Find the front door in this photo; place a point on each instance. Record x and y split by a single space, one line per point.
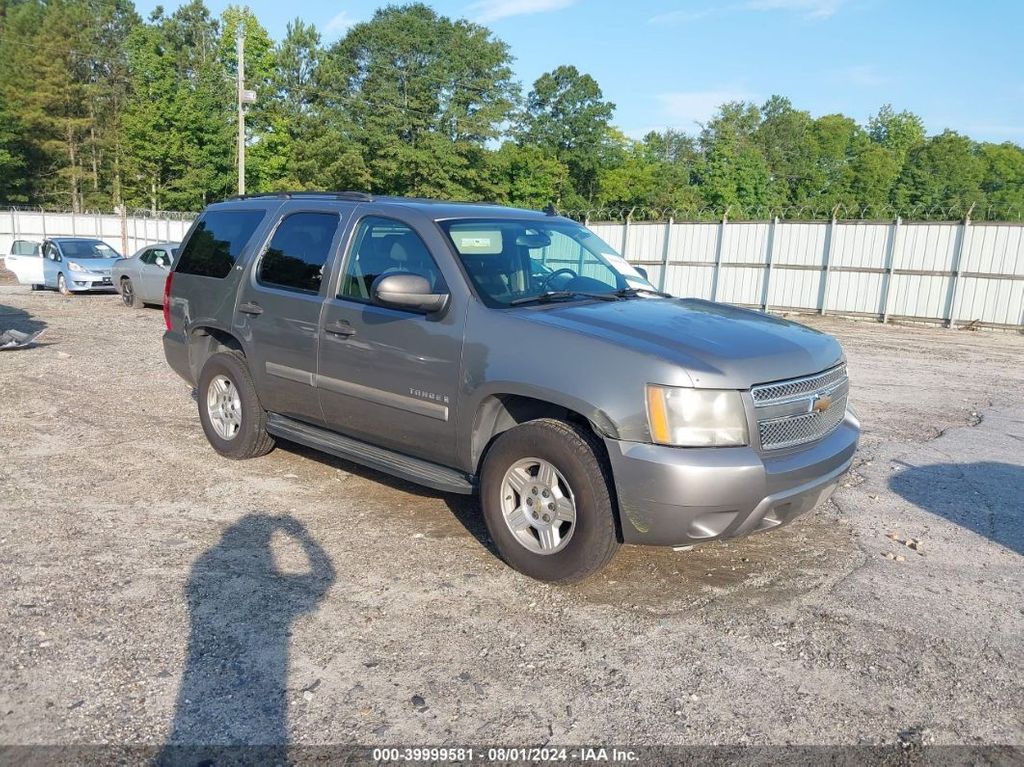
390 376
153 268
278 310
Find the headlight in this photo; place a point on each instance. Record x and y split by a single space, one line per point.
76 267
696 417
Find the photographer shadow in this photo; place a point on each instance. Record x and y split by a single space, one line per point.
242 605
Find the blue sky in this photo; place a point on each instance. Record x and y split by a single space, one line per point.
669 63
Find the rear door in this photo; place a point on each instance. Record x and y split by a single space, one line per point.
385 375
26 262
280 301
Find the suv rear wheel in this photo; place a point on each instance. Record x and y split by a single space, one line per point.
547 501
233 419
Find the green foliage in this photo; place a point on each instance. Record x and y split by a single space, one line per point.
566 115
100 108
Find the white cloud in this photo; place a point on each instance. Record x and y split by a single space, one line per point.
687 108
339 23
810 9
485 11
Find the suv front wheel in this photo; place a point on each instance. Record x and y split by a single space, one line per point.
546 495
233 419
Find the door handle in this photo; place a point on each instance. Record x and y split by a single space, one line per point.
250 307
340 328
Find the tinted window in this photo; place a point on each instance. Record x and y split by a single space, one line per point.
298 251
147 257
386 246
217 241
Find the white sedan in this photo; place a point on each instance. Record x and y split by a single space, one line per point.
140 279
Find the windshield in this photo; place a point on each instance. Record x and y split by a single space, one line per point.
87 249
511 261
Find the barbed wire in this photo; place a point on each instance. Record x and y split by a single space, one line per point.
647 214
810 212
162 215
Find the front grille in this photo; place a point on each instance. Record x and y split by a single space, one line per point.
783 390
785 414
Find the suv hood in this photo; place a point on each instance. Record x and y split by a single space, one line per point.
717 344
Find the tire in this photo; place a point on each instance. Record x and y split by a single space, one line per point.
36 287
128 295
247 435
582 477
62 285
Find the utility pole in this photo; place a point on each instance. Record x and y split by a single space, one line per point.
240 43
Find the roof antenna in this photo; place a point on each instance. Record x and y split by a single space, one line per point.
551 210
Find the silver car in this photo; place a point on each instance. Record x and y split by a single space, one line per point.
140 279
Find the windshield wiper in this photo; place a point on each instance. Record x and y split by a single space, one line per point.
631 292
557 295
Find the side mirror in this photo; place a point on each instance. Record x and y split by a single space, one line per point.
408 291
161 262
643 272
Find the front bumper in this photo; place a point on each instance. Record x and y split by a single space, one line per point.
671 496
83 281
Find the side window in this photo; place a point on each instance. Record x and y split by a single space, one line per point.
218 241
298 252
50 251
147 257
386 246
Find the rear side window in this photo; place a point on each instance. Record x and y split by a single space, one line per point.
298 252
217 241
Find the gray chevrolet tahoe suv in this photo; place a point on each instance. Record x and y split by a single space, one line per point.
476 348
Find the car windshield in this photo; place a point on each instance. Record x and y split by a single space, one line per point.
87 249
517 262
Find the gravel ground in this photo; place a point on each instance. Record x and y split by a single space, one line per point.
154 592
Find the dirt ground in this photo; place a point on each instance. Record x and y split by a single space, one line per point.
153 592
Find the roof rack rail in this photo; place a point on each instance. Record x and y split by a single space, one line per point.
342 195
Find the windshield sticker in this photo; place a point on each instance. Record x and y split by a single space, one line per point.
481 243
622 266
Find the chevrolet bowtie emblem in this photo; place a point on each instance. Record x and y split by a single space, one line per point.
821 403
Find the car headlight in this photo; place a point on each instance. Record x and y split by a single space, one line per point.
686 417
76 267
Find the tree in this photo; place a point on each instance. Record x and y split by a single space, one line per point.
566 115
942 176
1003 184
899 132
526 177
421 95
735 174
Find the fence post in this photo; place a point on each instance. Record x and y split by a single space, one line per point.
74 229
718 255
664 255
954 275
890 258
42 217
768 263
123 223
823 293
625 234
14 223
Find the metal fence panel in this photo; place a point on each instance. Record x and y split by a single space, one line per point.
123 233
948 272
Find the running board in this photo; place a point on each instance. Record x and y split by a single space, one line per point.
405 466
